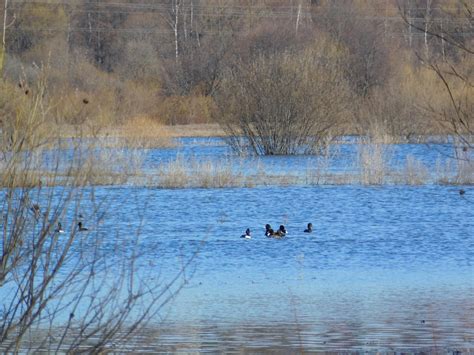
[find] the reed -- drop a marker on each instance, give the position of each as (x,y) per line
(414,172)
(454,172)
(54,297)
(317,174)
(139,132)
(173,174)
(216,174)
(373,162)
(191,173)
(196,130)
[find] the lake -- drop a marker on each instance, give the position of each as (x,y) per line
(386,267)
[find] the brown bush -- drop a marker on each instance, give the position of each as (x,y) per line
(283,103)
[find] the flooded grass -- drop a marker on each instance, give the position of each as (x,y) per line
(372,165)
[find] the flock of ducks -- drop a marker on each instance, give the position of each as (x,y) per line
(278,234)
(80,228)
(35,209)
(269,232)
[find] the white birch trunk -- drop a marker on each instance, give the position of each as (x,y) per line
(185,27)
(176,23)
(298,17)
(90,27)
(442,41)
(2,55)
(410,30)
(427,20)
(192,16)
(5,10)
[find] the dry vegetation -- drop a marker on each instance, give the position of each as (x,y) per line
(86,86)
(285,103)
(327,68)
(60,288)
(35,154)
(372,168)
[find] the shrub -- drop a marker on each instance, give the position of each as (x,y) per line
(282,103)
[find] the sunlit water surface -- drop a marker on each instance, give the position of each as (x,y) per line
(385,268)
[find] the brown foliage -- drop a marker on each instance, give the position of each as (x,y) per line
(282,104)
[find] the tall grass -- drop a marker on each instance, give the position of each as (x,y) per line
(373,162)
(414,172)
(140,132)
(373,166)
(454,172)
(186,173)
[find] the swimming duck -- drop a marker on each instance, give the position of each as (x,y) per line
(282,230)
(59,229)
(462,192)
(247,234)
(81,227)
(280,233)
(309,229)
(268,230)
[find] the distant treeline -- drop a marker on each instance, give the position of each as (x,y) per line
(168,60)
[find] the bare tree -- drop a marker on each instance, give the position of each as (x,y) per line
(282,104)
(61,289)
(453,66)
(366,64)
(5,26)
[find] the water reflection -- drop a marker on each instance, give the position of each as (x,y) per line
(399,331)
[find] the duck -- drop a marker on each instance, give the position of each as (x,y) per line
(282,230)
(247,234)
(309,228)
(59,229)
(268,230)
(280,233)
(462,192)
(81,227)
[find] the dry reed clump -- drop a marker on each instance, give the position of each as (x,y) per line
(26,179)
(215,174)
(173,174)
(187,173)
(465,172)
(140,132)
(373,168)
(414,172)
(373,163)
(196,130)
(318,174)
(457,172)
(95,167)
(379,133)
(184,110)
(107,166)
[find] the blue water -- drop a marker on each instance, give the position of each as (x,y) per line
(386,267)
(339,158)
